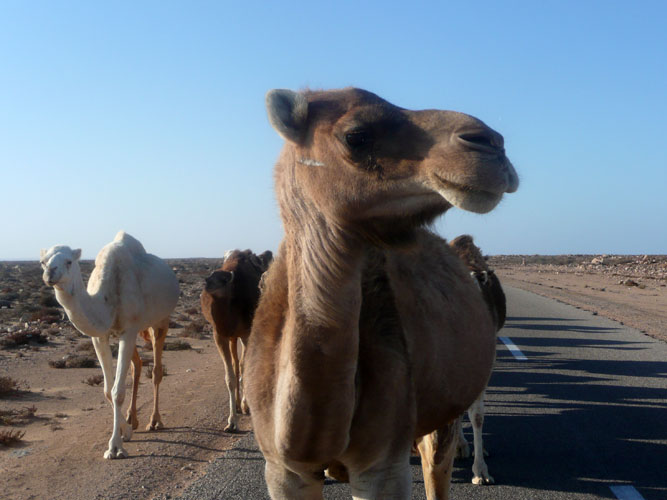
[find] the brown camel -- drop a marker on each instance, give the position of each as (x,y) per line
(228,303)
(493,294)
(369,332)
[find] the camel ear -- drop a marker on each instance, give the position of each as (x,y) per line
(76,254)
(288,113)
(42,253)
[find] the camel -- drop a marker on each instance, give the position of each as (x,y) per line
(369,333)
(228,303)
(494,297)
(129,291)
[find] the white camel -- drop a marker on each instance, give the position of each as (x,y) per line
(129,291)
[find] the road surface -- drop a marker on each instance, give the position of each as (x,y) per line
(576,410)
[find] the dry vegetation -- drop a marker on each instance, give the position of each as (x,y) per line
(17,416)
(9,437)
(10,386)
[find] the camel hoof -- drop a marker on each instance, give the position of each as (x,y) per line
(115,453)
(155,426)
(483,480)
(231,428)
(245,408)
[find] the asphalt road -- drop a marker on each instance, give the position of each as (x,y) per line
(583,416)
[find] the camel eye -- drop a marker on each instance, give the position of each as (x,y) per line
(359,139)
(69,263)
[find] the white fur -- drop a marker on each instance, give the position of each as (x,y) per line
(310,163)
(128,291)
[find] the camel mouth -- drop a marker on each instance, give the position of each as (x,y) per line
(467,197)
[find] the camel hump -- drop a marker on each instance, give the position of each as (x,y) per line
(129,242)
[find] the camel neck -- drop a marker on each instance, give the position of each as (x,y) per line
(90,315)
(325,275)
(324,263)
(324,257)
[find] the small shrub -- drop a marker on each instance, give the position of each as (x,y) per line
(9,385)
(10,296)
(24,337)
(48,300)
(73,361)
(17,417)
(177,345)
(46,315)
(10,437)
(195,330)
(86,347)
(27,309)
(94,380)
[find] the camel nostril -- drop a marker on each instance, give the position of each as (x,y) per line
(483,140)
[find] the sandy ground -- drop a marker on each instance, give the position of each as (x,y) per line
(60,455)
(633,293)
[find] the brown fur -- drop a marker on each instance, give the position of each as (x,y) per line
(228,304)
(370,332)
(489,283)
(493,294)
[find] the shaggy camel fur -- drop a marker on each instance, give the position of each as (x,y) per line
(494,296)
(370,332)
(228,303)
(129,291)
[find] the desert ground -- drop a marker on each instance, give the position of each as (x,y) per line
(629,289)
(55,422)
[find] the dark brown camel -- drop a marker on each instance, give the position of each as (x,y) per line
(493,294)
(228,303)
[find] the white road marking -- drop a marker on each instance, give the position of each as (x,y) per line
(516,352)
(626,493)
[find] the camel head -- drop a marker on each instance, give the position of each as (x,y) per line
(57,263)
(469,253)
(361,159)
(219,284)
(266,258)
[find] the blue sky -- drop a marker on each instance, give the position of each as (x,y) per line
(149,116)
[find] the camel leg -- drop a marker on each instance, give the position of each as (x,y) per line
(131,416)
(462,446)
(437,452)
(391,481)
(480,472)
(284,483)
(233,347)
(244,404)
(121,429)
(226,355)
(103,351)
(158,336)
